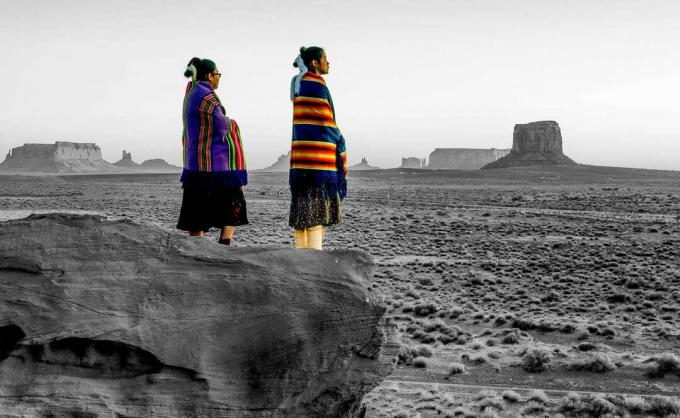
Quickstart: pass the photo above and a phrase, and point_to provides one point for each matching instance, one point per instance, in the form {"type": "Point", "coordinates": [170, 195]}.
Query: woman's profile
{"type": "Point", "coordinates": [214, 165]}
{"type": "Point", "coordinates": [318, 162]}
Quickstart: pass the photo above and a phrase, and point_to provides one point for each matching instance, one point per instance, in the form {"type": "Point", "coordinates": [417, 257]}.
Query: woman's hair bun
{"type": "Point", "coordinates": [197, 63]}
{"type": "Point", "coordinates": [302, 50]}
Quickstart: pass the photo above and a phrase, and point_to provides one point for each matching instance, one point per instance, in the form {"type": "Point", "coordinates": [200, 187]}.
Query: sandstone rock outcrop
{"type": "Point", "coordinates": [126, 161]}
{"type": "Point", "coordinates": [281, 164]}
{"type": "Point", "coordinates": [60, 157]}
{"type": "Point", "coordinates": [111, 318]}
{"type": "Point", "coordinates": [535, 143]}
{"type": "Point", "coordinates": [413, 162]}
{"type": "Point", "coordinates": [363, 165]}
{"type": "Point", "coordinates": [159, 165]}
{"type": "Point", "coordinates": [464, 158]}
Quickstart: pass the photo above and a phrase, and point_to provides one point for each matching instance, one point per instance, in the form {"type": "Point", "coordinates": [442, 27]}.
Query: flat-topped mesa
{"type": "Point", "coordinates": [535, 143]}
{"type": "Point", "coordinates": [413, 162]}
{"type": "Point", "coordinates": [464, 158]}
{"type": "Point", "coordinates": [58, 157]}
{"type": "Point", "coordinates": [155, 324]}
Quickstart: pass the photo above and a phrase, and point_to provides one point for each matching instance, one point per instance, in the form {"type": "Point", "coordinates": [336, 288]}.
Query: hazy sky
{"type": "Point", "coordinates": [406, 76]}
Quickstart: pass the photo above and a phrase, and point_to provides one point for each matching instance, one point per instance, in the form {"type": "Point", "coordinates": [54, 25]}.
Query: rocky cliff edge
{"type": "Point", "coordinates": [112, 318]}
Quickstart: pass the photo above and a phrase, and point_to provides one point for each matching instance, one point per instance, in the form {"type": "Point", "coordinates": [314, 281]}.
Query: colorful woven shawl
{"type": "Point", "coordinates": [213, 151]}
{"type": "Point", "coordinates": [318, 157]}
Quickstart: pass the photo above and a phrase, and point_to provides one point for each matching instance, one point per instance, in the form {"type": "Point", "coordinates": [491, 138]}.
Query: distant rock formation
{"type": "Point", "coordinates": [282, 164]}
{"type": "Point", "coordinates": [126, 161]}
{"type": "Point", "coordinates": [413, 162]}
{"type": "Point", "coordinates": [158, 324]}
{"type": "Point", "coordinates": [464, 158]}
{"type": "Point", "coordinates": [535, 143]}
{"type": "Point", "coordinates": [158, 164]}
{"type": "Point", "coordinates": [60, 157]}
{"type": "Point", "coordinates": [363, 165]}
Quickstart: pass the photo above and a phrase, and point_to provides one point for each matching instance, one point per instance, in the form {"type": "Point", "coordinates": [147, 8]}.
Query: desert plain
{"type": "Point", "coordinates": [534, 291]}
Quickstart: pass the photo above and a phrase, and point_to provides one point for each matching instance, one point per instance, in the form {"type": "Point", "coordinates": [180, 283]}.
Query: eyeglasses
{"type": "Point", "coordinates": [217, 74]}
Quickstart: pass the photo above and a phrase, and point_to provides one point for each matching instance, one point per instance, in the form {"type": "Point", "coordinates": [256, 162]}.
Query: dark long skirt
{"type": "Point", "coordinates": [202, 209]}
{"type": "Point", "coordinates": [314, 207]}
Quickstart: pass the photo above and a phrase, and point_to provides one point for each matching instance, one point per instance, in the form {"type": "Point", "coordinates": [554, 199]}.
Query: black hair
{"type": "Point", "coordinates": [310, 54]}
{"type": "Point", "coordinates": [203, 68]}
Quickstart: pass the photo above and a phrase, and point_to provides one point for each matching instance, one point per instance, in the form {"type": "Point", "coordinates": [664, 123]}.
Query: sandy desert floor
{"type": "Point", "coordinates": [516, 292]}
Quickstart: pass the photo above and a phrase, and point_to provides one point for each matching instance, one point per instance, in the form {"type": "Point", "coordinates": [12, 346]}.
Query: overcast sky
{"type": "Point", "coordinates": [406, 76]}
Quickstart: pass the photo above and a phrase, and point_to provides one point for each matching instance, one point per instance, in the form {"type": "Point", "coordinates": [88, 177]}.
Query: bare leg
{"type": "Point", "coordinates": [315, 237]}
{"type": "Point", "coordinates": [196, 233]}
{"type": "Point", "coordinates": [227, 232]}
{"type": "Point", "coordinates": [300, 238]}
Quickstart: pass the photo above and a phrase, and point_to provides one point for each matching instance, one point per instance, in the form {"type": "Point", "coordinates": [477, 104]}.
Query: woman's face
{"type": "Point", "coordinates": [323, 66]}
{"type": "Point", "coordinates": [214, 78]}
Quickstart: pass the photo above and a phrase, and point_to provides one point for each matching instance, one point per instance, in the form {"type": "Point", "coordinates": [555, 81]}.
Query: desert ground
{"type": "Point", "coordinates": [541, 291]}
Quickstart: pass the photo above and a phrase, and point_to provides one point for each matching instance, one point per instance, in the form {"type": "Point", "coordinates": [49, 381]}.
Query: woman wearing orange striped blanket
{"type": "Point", "coordinates": [318, 161]}
{"type": "Point", "coordinates": [214, 164]}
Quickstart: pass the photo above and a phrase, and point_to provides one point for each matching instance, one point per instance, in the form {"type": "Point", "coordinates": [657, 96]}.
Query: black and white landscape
{"type": "Point", "coordinates": [510, 245]}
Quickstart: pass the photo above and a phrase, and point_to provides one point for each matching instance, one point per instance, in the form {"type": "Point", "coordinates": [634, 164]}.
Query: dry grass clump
{"type": "Point", "coordinates": [456, 368]}
{"type": "Point", "coordinates": [425, 309]}
{"type": "Point", "coordinates": [635, 404]}
{"type": "Point", "coordinates": [511, 396]}
{"type": "Point", "coordinates": [587, 405]}
{"type": "Point", "coordinates": [662, 406]}
{"type": "Point", "coordinates": [538, 395]}
{"type": "Point", "coordinates": [420, 362]}
{"type": "Point", "coordinates": [407, 353]}
{"type": "Point", "coordinates": [598, 363]}
{"type": "Point", "coordinates": [535, 360]}
{"type": "Point", "coordinates": [532, 408]}
{"type": "Point", "coordinates": [663, 364]}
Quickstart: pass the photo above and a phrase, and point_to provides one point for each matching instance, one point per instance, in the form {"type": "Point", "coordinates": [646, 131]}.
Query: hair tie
{"type": "Point", "coordinates": [295, 82]}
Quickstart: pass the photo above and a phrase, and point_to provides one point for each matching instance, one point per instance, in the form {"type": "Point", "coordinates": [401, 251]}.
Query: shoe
{"type": "Point", "coordinates": [225, 241]}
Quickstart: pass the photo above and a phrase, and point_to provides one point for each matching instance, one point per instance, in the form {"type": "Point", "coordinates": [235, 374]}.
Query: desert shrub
{"type": "Point", "coordinates": [402, 413]}
{"type": "Point", "coordinates": [602, 407]}
{"type": "Point", "coordinates": [420, 362]}
{"type": "Point", "coordinates": [424, 351]}
{"type": "Point", "coordinates": [492, 342]}
{"type": "Point", "coordinates": [406, 354]}
{"type": "Point", "coordinates": [587, 346]}
{"type": "Point", "coordinates": [635, 404]}
{"type": "Point", "coordinates": [663, 364]}
{"type": "Point", "coordinates": [491, 402]}
{"type": "Point", "coordinates": [488, 413]}
{"type": "Point", "coordinates": [598, 363]}
{"type": "Point", "coordinates": [512, 338]}
{"type": "Point", "coordinates": [446, 339]}
{"type": "Point", "coordinates": [494, 354]}
{"type": "Point", "coordinates": [662, 406]}
{"type": "Point", "coordinates": [407, 307]}
{"type": "Point", "coordinates": [570, 403]}
{"type": "Point", "coordinates": [462, 411]}
{"type": "Point", "coordinates": [424, 309]}
{"type": "Point", "coordinates": [536, 360]}
{"type": "Point", "coordinates": [568, 328]}
{"type": "Point", "coordinates": [537, 395]}
{"type": "Point", "coordinates": [523, 324]}
{"type": "Point", "coordinates": [511, 396]}
{"type": "Point", "coordinates": [456, 368]}
{"type": "Point", "coordinates": [532, 408]}
{"type": "Point", "coordinates": [477, 345]}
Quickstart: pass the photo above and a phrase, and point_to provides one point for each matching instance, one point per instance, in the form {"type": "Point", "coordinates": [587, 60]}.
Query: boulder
{"type": "Point", "coordinates": [464, 158]}
{"type": "Point", "coordinates": [60, 157]}
{"type": "Point", "coordinates": [110, 318]}
{"type": "Point", "coordinates": [535, 143]}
